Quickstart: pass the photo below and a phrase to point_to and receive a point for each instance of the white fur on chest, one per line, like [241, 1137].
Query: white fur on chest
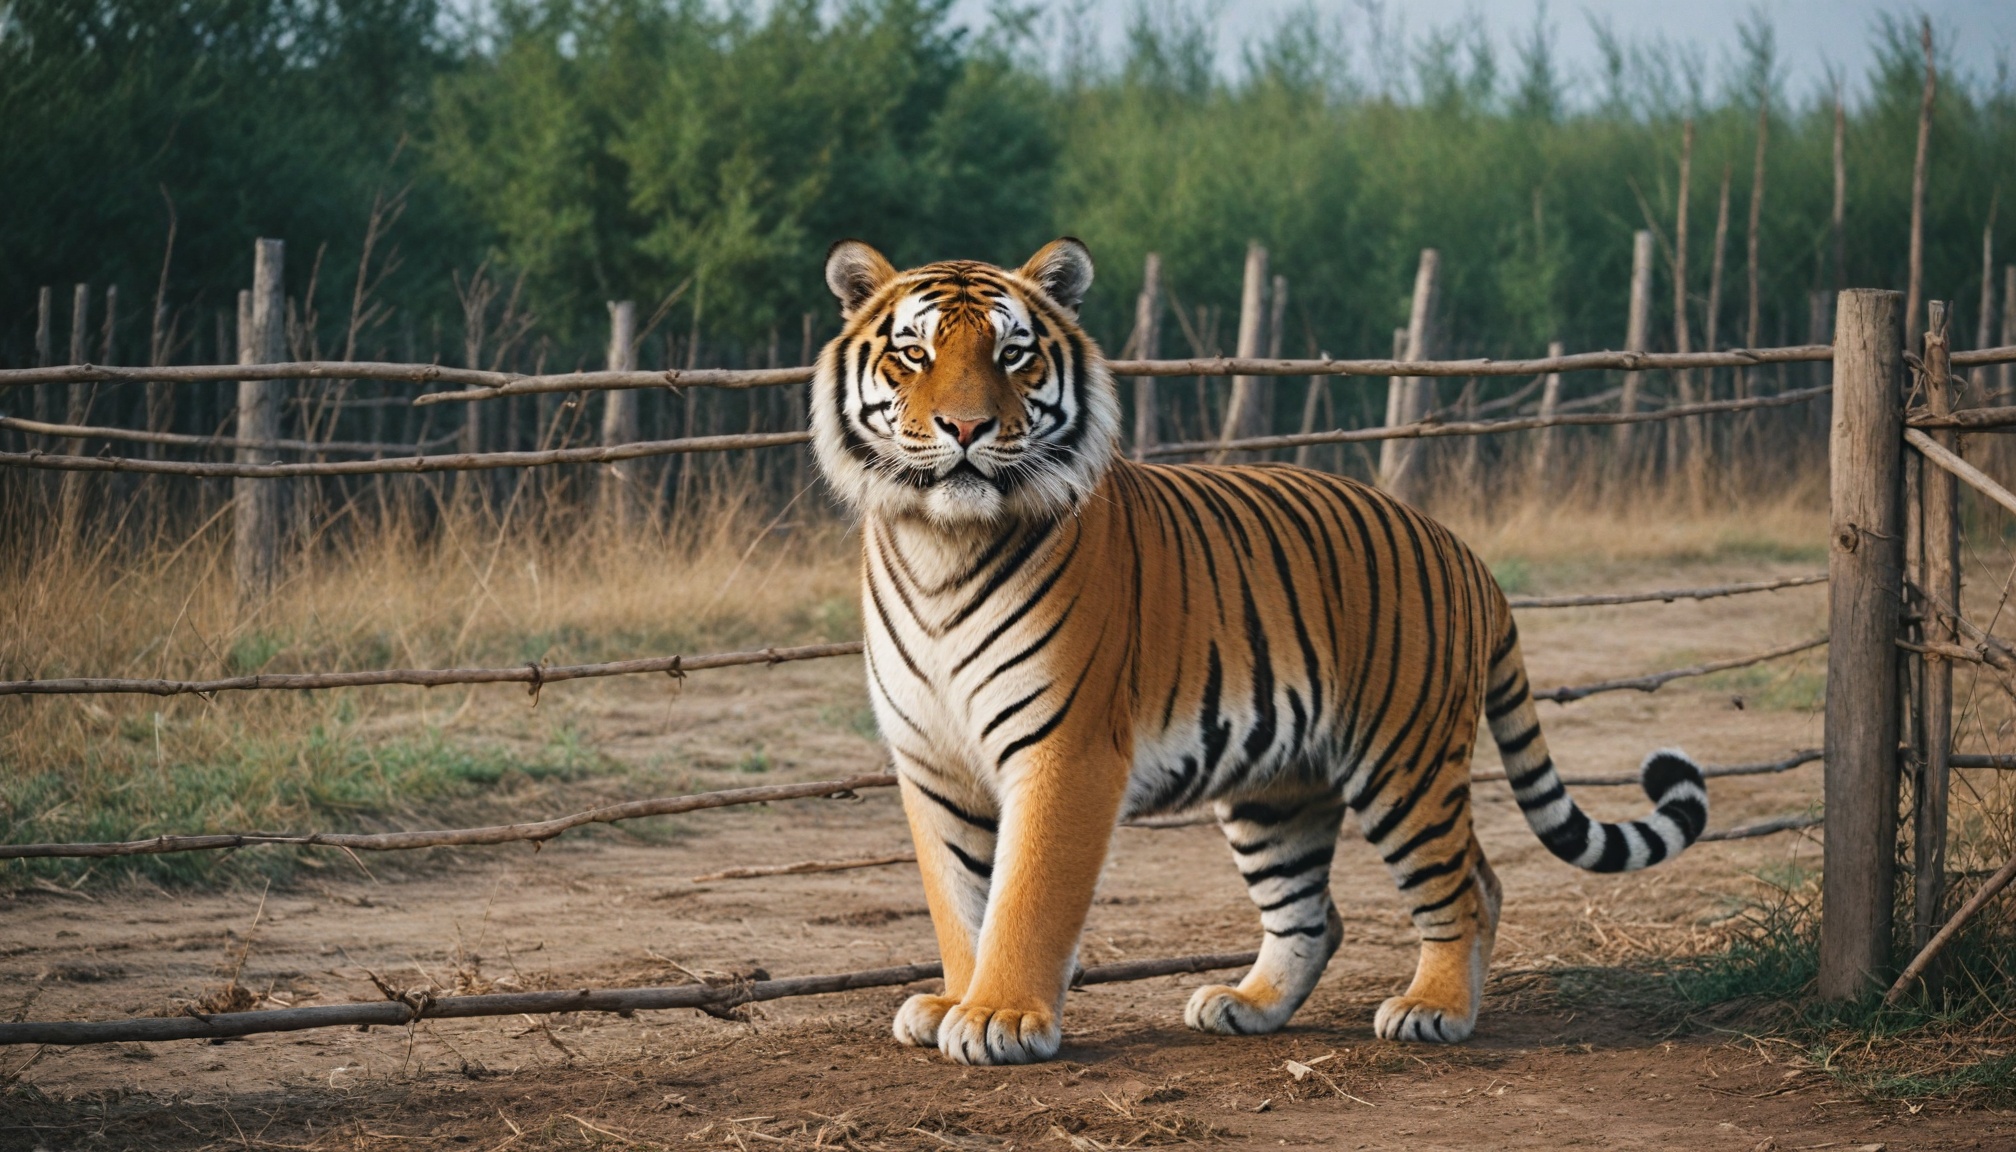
[954, 684]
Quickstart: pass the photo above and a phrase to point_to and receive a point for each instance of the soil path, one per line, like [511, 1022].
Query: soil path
[616, 909]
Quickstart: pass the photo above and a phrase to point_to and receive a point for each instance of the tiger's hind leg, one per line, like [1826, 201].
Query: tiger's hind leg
[1427, 843]
[1283, 845]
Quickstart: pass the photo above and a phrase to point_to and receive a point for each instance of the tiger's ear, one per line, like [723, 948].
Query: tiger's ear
[1064, 268]
[855, 272]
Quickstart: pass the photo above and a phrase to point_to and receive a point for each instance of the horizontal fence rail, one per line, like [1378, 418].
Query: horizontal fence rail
[482, 385]
[1665, 596]
[536, 675]
[1762, 828]
[450, 462]
[1712, 771]
[1430, 429]
[1965, 418]
[1656, 680]
[402, 1008]
[482, 382]
[184, 440]
[476, 461]
[539, 831]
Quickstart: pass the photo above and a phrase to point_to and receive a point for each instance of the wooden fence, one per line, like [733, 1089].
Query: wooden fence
[1894, 630]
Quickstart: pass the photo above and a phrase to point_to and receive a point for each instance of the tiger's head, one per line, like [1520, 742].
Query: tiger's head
[962, 392]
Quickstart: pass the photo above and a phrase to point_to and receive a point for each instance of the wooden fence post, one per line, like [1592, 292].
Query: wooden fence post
[262, 339]
[619, 415]
[1637, 329]
[1148, 346]
[1408, 398]
[1940, 522]
[1865, 572]
[1915, 262]
[1541, 483]
[76, 410]
[45, 350]
[1245, 412]
[2008, 368]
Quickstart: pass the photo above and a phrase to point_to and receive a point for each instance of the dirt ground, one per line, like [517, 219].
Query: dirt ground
[619, 909]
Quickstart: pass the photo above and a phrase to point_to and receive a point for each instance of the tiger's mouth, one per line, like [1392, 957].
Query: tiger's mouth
[963, 475]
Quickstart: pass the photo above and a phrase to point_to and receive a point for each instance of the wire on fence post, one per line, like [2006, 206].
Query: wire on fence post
[1938, 491]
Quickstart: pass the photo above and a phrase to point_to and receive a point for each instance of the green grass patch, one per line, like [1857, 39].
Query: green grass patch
[1767, 549]
[1800, 686]
[1514, 576]
[1956, 1045]
[327, 780]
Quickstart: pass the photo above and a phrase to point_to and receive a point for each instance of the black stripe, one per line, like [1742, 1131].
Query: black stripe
[1454, 895]
[984, 823]
[1254, 812]
[1002, 716]
[1429, 871]
[1432, 832]
[1302, 893]
[1616, 852]
[889, 630]
[1514, 745]
[1015, 616]
[1033, 648]
[1049, 725]
[1314, 858]
[980, 868]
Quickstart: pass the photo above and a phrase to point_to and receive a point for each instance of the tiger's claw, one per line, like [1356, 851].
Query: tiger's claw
[970, 1034]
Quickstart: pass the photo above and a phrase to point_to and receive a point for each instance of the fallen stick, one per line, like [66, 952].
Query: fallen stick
[536, 831]
[407, 465]
[1653, 682]
[1763, 828]
[536, 675]
[1667, 596]
[1424, 430]
[1938, 943]
[415, 1006]
[803, 867]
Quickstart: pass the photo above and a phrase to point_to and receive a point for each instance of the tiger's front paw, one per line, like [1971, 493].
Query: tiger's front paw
[1412, 1018]
[972, 1034]
[1228, 1012]
[917, 1021]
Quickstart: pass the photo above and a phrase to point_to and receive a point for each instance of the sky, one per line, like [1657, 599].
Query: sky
[1812, 34]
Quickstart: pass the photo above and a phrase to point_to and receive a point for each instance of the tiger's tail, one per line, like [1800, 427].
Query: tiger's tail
[1673, 782]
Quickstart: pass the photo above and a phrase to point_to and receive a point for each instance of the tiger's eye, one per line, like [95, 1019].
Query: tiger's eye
[912, 354]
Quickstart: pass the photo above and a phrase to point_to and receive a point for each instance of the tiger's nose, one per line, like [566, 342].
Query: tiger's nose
[964, 431]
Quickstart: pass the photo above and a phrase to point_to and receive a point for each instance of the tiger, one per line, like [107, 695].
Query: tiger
[1058, 639]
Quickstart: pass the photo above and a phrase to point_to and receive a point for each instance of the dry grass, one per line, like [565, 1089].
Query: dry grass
[469, 586]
